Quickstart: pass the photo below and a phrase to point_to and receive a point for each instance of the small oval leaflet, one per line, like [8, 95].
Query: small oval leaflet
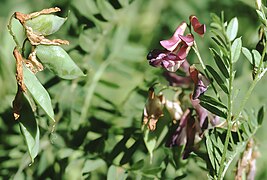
[45, 24]
[58, 61]
[38, 92]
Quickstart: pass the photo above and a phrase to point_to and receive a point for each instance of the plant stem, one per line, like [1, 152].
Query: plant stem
[258, 77]
[195, 48]
[222, 163]
[9, 27]
[92, 86]
[230, 109]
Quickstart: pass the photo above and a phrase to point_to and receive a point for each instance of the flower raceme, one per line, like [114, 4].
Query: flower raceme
[177, 47]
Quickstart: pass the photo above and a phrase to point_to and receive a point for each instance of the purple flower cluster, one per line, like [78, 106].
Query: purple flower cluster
[177, 47]
[195, 119]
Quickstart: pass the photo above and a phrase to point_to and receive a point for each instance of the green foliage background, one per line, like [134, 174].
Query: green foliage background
[99, 116]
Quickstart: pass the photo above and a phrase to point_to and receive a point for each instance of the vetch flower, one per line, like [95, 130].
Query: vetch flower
[172, 43]
[200, 81]
[198, 28]
[153, 109]
[179, 136]
[165, 59]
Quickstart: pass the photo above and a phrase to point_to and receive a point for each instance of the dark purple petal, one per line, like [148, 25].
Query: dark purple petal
[198, 28]
[190, 136]
[200, 81]
[199, 89]
[183, 51]
[179, 136]
[202, 113]
[176, 80]
[153, 54]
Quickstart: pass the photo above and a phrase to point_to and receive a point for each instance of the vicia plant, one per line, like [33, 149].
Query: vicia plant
[44, 53]
[206, 120]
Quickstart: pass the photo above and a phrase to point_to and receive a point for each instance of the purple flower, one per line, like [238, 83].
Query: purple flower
[201, 82]
[165, 59]
[198, 28]
[172, 43]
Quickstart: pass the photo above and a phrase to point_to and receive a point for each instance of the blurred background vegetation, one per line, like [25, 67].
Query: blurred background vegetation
[98, 134]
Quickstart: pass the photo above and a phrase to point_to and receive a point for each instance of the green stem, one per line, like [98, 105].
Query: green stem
[222, 163]
[195, 48]
[92, 87]
[230, 110]
[258, 77]
[9, 27]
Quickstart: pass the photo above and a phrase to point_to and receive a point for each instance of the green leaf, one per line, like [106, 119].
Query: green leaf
[218, 39]
[247, 54]
[91, 165]
[209, 147]
[256, 57]
[220, 63]
[138, 165]
[262, 17]
[218, 79]
[46, 24]
[38, 92]
[211, 100]
[116, 173]
[106, 9]
[261, 115]
[150, 141]
[214, 109]
[29, 128]
[58, 61]
[236, 49]
[232, 29]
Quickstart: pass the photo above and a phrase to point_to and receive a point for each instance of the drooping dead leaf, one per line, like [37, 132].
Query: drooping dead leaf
[24, 17]
[33, 64]
[19, 69]
[36, 39]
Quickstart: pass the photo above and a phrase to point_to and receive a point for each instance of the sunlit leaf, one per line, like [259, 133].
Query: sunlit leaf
[256, 58]
[106, 9]
[29, 128]
[38, 92]
[236, 49]
[247, 54]
[91, 165]
[232, 29]
[261, 17]
[218, 79]
[116, 173]
[150, 141]
[58, 61]
[46, 24]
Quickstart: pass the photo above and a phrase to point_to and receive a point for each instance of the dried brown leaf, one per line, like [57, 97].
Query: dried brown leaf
[36, 39]
[19, 69]
[24, 17]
